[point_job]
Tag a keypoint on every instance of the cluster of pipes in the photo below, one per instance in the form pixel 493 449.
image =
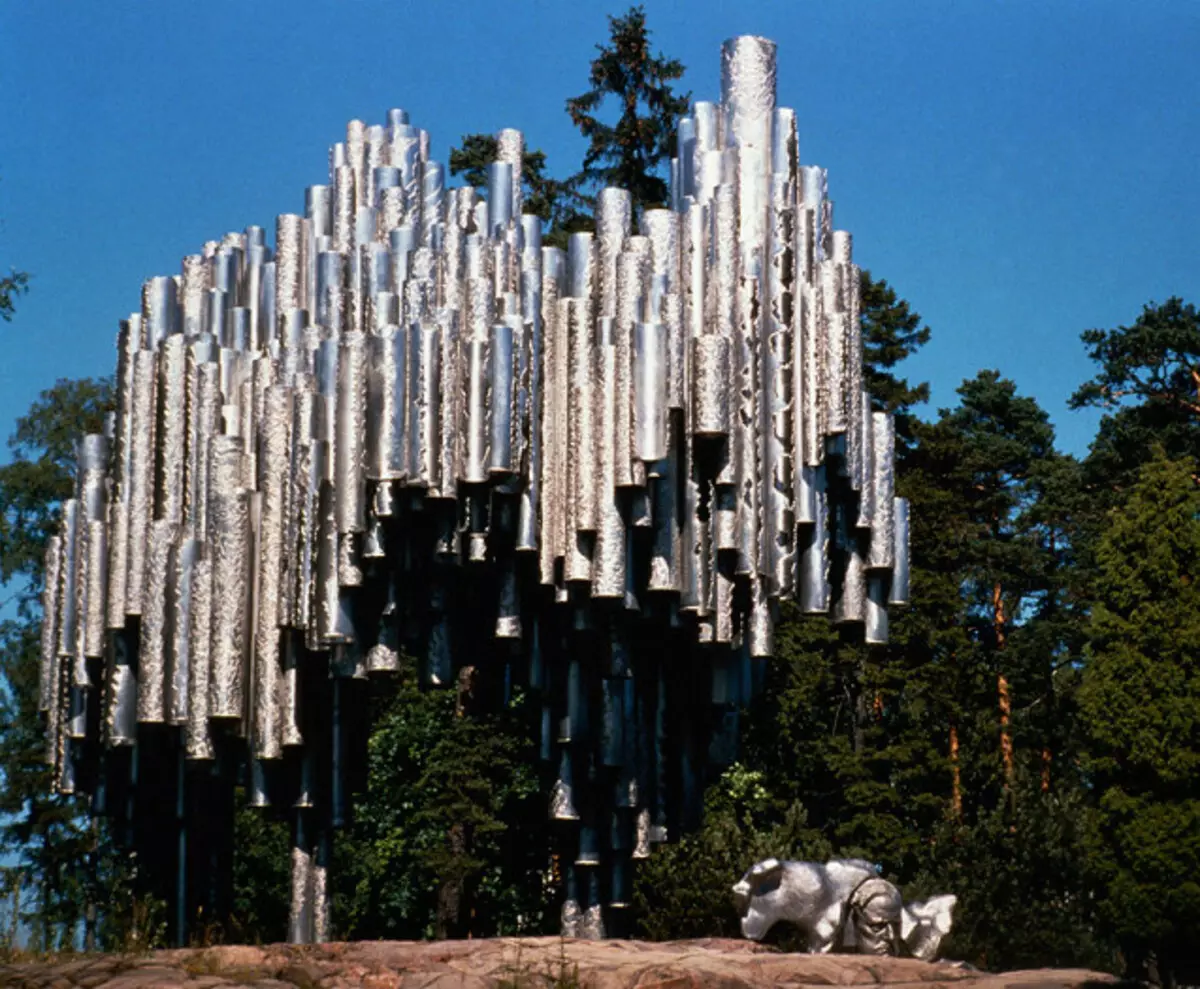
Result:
pixel 410 427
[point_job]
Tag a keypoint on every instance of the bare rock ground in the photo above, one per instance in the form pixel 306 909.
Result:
pixel 516 963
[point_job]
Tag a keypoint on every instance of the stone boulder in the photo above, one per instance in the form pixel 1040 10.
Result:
pixel 516 963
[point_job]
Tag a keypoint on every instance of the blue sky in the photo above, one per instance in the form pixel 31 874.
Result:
pixel 1018 170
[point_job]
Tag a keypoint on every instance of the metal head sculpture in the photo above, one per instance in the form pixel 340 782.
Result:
pixel 842 905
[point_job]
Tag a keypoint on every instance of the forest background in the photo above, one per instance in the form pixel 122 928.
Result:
pixel 1030 739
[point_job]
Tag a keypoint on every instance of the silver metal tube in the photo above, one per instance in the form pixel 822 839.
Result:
pixel 502 389
pixel 230 546
pixel 899 594
pixel 349 447
pixel 609 560
pixel 650 367
pixel 882 554
pixel 141 477
pixel 184 554
pixel 151 698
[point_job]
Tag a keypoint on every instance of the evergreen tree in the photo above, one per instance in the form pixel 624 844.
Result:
pixel 47 830
pixel 631 153
pixel 1140 702
pixel 449 836
pixel 891 332
pixel 1148 384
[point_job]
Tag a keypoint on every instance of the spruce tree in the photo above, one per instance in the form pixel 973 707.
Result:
pixel 633 152
pixel 1140 702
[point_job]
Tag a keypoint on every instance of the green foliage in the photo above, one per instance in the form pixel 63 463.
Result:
pixel 684 889
pixel 42 473
pixel 891 332
pixel 630 154
pixel 12 285
pixel 1019 877
pixel 261 876
pixel 451 829
pixel 1140 701
pixel 1148 384
pixel 47 830
pixel 555 202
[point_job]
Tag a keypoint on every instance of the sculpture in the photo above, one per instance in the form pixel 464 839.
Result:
pixel 406 424
pixel 842 905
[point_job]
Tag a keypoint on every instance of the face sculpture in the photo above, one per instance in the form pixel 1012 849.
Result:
pixel 874 918
pixel 841 905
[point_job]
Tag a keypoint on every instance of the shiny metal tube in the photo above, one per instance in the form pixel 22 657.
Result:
pixel 609 560
pixel 229 541
pixel 349 476
pixel 650 390
pixel 424 366
pixel 900 588
pixel 614 217
pixel 195 280
pixel 387 404
pixel 666 549
pixel 502 388
pixel 582 264
pixel 122 714
pixel 332 304
pixel 882 553
pixel 875 615
pixel 633 271
pixel 450 403
pixel 586 386
pixel 292 237
pixel 478 436
pixel 710 394
pixel 160 310
pixel 345 209
pixel 276 425
pixel 432 200
pixel 500 198
pixel 170 429
pixel 510 149
pixel 151 698
pixel 184 555
pixel 141 477
pixel 52 574
pixel 814 554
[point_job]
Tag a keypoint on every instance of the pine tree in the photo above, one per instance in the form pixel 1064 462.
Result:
pixel 1140 702
pixel 1148 384
pixel 631 153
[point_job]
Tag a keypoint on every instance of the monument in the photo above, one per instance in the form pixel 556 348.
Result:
pixel 408 425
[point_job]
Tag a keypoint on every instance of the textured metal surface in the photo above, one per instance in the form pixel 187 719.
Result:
pixel 840 906
pixel 341 445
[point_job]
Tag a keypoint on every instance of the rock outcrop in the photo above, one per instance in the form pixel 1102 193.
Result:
pixel 515 963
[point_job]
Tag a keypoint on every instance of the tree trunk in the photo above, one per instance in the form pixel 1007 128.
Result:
pixel 450 893
pixel 14 921
pixel 1002 689
pixel 956 800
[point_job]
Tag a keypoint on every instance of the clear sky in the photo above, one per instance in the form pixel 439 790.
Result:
pixel 1019 170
